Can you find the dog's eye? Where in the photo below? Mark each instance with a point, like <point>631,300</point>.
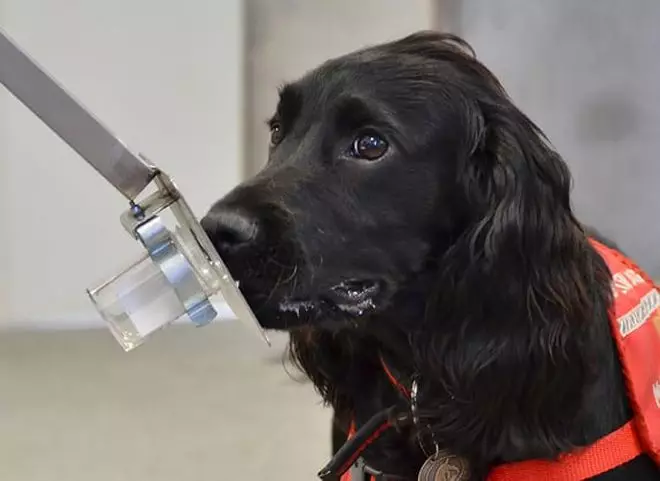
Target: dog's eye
<point>276,133</point>
<point>369,146</point>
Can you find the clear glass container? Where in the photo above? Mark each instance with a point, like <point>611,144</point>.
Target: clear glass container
<point>140,300</point>
<point>180,276</point>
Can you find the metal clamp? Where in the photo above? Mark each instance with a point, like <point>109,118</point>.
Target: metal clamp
<point>164,252</point>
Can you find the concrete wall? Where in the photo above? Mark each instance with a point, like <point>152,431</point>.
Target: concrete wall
<point>588,72</point>
<point>167,77</point>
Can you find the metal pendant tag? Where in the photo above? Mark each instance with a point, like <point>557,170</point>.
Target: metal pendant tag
<point>443,466</point>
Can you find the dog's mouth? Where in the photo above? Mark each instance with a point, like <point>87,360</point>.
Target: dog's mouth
<point>356,297</point>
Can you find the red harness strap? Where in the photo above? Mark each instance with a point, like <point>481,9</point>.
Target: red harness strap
<point>635,320</point>
<point>347,475</point>
<point>395,382</point>
<point>351,432</point>
<point>613,450</point>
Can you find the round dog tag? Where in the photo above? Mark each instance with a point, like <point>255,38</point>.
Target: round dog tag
<point>443,466</point>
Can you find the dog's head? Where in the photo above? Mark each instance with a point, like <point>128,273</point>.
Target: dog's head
<point>406,193</point>
<point>381,162</point>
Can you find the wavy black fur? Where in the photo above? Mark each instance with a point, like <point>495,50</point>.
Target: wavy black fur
<point>493,294</point>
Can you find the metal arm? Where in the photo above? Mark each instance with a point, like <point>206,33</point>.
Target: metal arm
<point>23,77</point>
<point>183,270</point>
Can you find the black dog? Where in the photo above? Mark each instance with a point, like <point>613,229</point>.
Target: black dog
<point>410,212</point>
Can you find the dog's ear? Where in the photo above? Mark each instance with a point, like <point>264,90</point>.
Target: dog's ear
<point>335,362</point>
<point>520,297</point>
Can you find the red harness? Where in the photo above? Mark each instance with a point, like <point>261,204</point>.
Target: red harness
<point>635,319</point>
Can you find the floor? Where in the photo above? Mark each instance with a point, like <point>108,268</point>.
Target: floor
<point>191,404</point>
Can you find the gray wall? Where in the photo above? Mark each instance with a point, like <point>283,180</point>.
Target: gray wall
<point>4,238</point>
<point>588,72</point>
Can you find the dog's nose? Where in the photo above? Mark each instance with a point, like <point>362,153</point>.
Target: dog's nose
<point>230,229</point>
